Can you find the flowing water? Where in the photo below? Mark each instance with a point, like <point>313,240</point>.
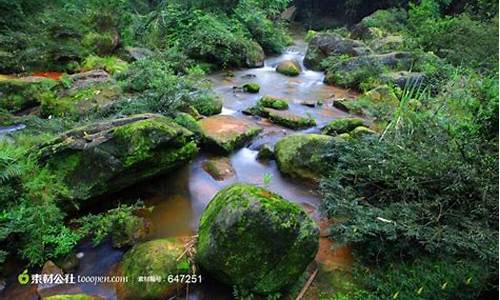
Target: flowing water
<point>180,198</point>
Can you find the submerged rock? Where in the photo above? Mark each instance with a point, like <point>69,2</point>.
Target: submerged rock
<point>254,239</point>
<point>302,155</point>
<point>251,88</point>
<point>326,44</point>
<point>153,258</point>
<point>227,133</point>
<point>108,156</point>
<point>340,126</point>
<point>220,168</point>
<point>289,68</point>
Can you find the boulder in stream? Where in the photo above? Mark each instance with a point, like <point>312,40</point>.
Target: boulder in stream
<point>156,258</point>
<point>302,155</point>
<point>287,119</point>
<point>325,44</point>
<point>227,133</point>
<point>254,239</point>
<point>289,67</point>
<point>273,102</point>
<point>252,87</point>
<point>340,126</point>
<point>108,156</point>
<point>220,168</point>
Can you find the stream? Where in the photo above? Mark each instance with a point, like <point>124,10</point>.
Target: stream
<point>180,198</point>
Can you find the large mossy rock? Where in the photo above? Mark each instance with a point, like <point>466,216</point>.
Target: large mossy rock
<point>254,56</point>
<point>227,133</point>
<point>289,68</point>
<point>108,156</point>
<point>326,44</point>
<point>254,239</point>
<point>353,71</point>
<point>153,258</point>
<point>302,155</point>
<point>339,126</point>
<point>23,93</point>
<point>273,102</point>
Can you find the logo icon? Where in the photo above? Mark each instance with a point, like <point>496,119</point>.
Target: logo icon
<point>23,278</point>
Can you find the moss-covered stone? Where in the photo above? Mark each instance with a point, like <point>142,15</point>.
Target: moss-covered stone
<point>361,131</point>
<point>340,126</point>
<point>273,102</point>
<point>189,122</point>
<point>227,133</point>
<point>108,156</point>
<point>253,88</point>
<point>289,68</point>
<point>153,258</point>
<point>207,104</point>
<point>129,233</point>
<point>73,297</point>
<point>301,155</point>
<point>23,93</point>
<point>287,119</point>
<point>254,239</point>
<point>265,152</point>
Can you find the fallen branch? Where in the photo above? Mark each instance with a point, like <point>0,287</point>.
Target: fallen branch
<point>308,283</point>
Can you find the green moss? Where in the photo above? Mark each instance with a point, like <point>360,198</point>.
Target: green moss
<point>207,104</point>
<point>340,126</point>
<point>189,122</point>
<point>289,68</point>
<point>154,258</point>
<point>101,43</point>
<point>254,239</point>
<point>72,297</point>
<point>110,64</point>
<point>361,131</point>
<point>251,88</point>
<point>287,119</point>
<point>301,155</point>
<point>273,102</point>
<point>19,94</point>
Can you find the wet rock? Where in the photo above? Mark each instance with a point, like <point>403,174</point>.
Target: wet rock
<point>108,156</point>
<point>403,78</point>
<point>287,119</point>
<point>326,44</point>
<point>49,268</point>
<point>254,239</point>
<point>251,88</point>
<point>266,152</point>
<point>220,168</point>
<point>302,155</point>
<point>273,102</point>
<point>73,297</point>
<point>137,53</point>
<point>255,56</point>
<point>153,258</point>
<point>23,93</point>
<point>343,104</point>
<point>227,133</point>
<point>289,68</point>
<point>249,76</point>
<point>340,126</point>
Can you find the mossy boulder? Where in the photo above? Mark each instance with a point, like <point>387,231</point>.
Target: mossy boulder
<point>361,131</point>
<point>287,119</point>
<point>253,88</point>
<point>254,239</point>
<point>207,104</point>
<point>23,93</point>
<point>326,44</point>
<point>189,122</point>
<point>340,126</point>
<point>153,258</point>
<point>289,68</point>
<point>254,55</point>
<point>265,152</point>
<point>302,155</point>
<point>73,297</point>
<point>227,133</point>
<point>273,102</point>
<point>108,156</point>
